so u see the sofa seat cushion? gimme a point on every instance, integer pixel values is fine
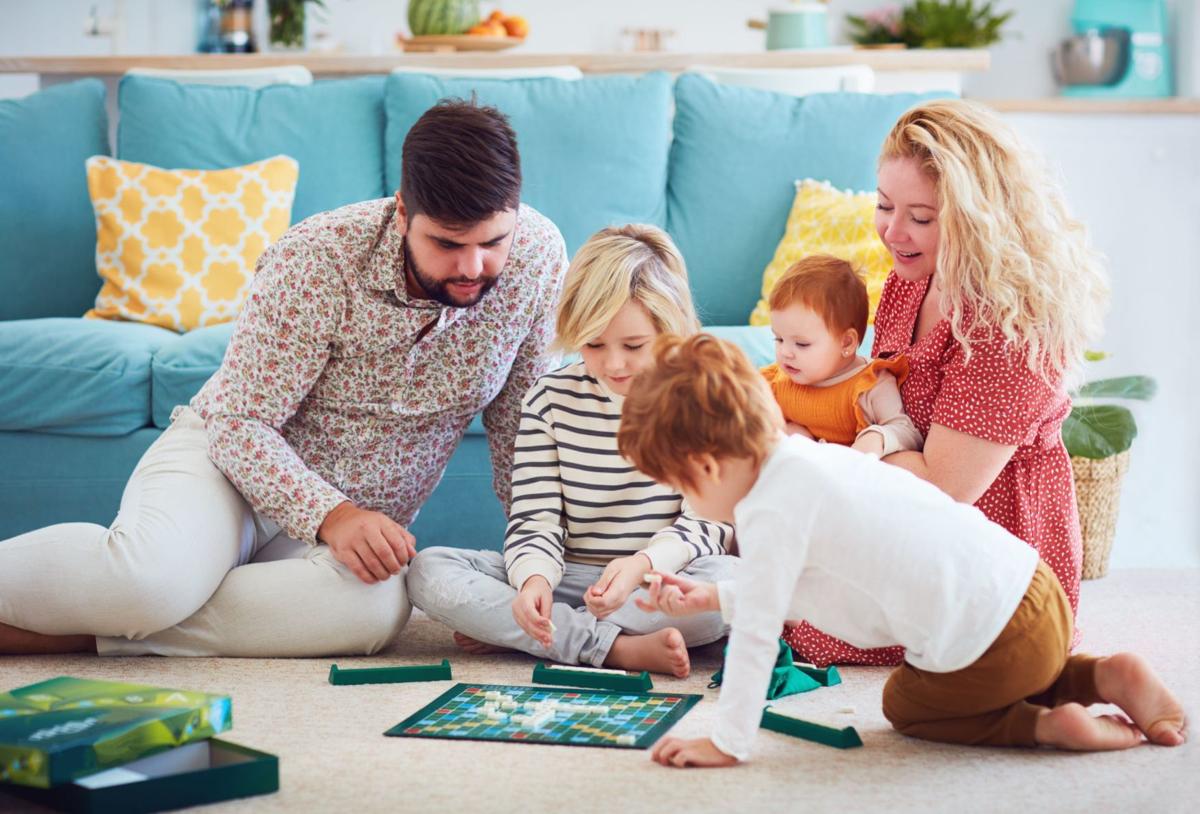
(593, 151)
(334, 130)
(735, 159)
(74, 376)
(182, 366)
(48, 265)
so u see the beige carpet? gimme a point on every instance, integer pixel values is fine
(334, 758)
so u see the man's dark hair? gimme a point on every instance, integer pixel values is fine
(460, 164)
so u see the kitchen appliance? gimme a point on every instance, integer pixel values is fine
(799, 25)
(1119, 51)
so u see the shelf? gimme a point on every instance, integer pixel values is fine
(1174, 105)
(958, 60)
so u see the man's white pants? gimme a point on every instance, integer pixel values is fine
(189, 569)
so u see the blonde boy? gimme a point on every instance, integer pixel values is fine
(874, 556)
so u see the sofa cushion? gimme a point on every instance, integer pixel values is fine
(178, 248)
(736, 156)
(76, 376)
(593, 151)
(182, 366)
(48, 264)
(333, 129)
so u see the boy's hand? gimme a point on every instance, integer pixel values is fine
(682, 753)
(532, 607)
(797, 429)
(621, 577)
(372, 545)
(676, 595)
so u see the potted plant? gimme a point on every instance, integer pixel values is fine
(287, 22)
(930, 24)
(1098, 434)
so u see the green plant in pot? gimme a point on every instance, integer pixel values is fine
(1098, 434)
(952, 24)
(287, 21)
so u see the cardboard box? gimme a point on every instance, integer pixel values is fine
(57, 730)
(195, 774)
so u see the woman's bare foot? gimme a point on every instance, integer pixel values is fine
(476, 647)
(1071, 726)
(1128, 680)
(17, 642)
(663, 651)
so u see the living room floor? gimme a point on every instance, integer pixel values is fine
(333, 756)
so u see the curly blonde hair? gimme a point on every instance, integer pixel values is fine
(1010, 257)
(618, 264)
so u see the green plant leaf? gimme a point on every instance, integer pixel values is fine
(1141, 388)
(1098, 430)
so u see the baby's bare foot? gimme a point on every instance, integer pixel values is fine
(1128, 680)
(663, 651)
(1071, 726)
(476, 647)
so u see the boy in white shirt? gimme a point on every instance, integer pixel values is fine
(874, 556)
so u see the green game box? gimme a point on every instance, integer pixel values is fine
(194, 774)
(57, 730)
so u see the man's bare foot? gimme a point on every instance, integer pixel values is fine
(663, 651)
(1071, 726)
(17, 642)
(476, 647)
(1128, 680)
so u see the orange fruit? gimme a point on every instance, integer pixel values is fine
(516, 26)
(497, 16)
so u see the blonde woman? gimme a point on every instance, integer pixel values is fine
(994, 295)
(585, 525)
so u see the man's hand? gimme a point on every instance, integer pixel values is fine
(682, 753)
(621, 577)
(372, 545)
(677, 595)
(532, 607)
(797, 429)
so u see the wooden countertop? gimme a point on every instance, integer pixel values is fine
(956, 60)
(1062, 104)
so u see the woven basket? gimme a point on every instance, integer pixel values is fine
(1098, 492)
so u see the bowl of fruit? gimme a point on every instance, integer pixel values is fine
(458, 25)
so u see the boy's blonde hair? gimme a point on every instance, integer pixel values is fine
(618, 264)
(830, 287)
(1010, 257)
(702, 396)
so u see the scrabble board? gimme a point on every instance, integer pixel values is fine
(499, 712)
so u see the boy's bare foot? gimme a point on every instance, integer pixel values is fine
(1071, 726)
(476, 647)
(1128, 680)
(663, 651)
(15, 641)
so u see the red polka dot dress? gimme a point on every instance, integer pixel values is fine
(994, 396)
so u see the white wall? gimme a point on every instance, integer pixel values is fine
(1135, 180)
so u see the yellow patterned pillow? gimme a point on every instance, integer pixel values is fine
(177, 248)
(825, 220)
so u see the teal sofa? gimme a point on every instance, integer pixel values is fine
(80, 400)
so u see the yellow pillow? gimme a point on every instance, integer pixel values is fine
(177, 248)
(825, 220)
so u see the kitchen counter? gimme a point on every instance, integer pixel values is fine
(1063, 104)
(947, 60)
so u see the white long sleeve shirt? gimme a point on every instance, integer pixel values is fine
(869, 553)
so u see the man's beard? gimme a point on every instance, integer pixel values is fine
(439, 290)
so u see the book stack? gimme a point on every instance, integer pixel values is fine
(94, 746)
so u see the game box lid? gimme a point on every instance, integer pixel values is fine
(194, 774)
(57, 730)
